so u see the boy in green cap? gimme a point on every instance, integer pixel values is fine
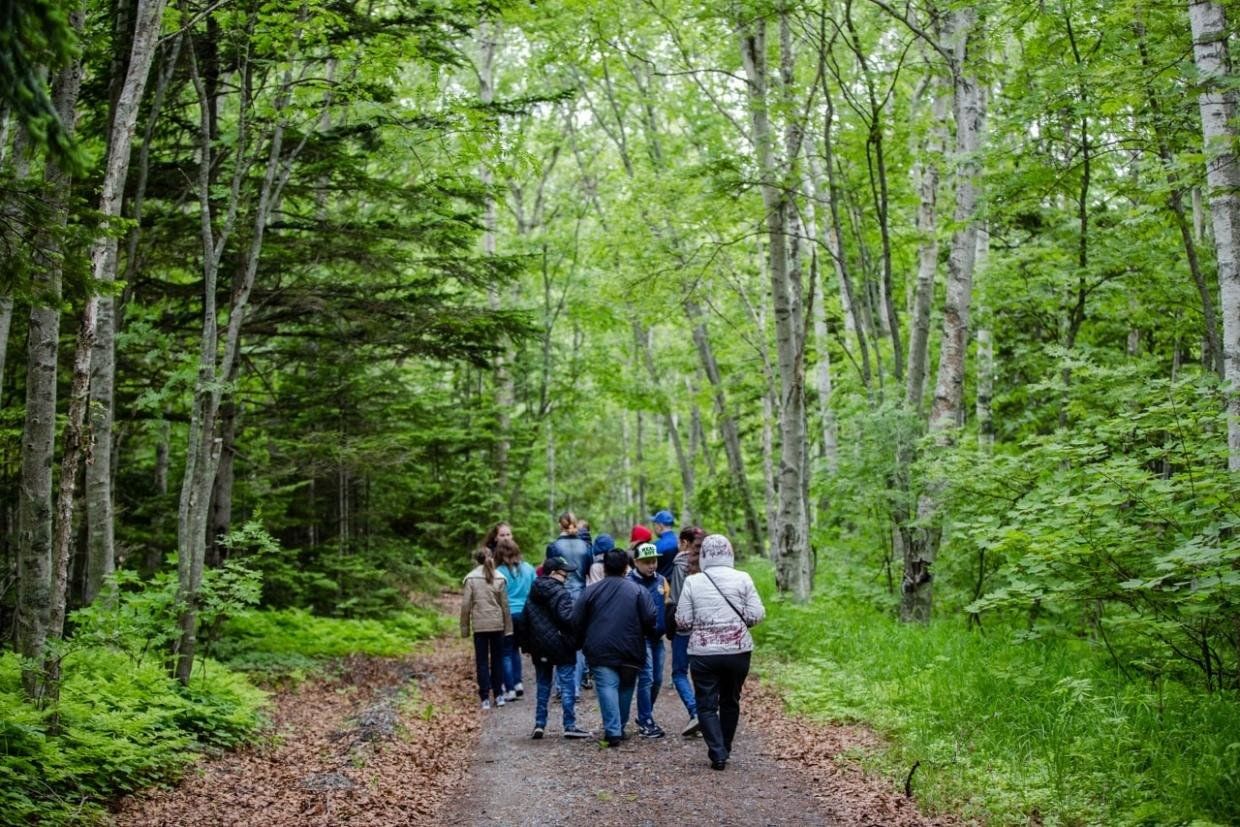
(645, 574)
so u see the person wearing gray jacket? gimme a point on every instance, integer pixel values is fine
(718, 606)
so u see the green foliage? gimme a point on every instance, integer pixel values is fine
(1004, 726)
(292, 639)
(124, 725)
(1123, 529)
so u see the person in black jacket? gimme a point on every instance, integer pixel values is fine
(614, 618)
(552, 645)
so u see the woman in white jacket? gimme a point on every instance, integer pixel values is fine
(717, 607)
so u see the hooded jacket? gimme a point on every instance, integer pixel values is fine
(614, 618)
(714, 627)
(484, 606)
(548, 620)
(577, 552)
(659, 590)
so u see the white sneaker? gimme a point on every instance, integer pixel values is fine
(486, 704)
(499, 700)
(519, 689)
(510, 695)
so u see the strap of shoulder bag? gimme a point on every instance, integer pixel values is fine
(725, 597)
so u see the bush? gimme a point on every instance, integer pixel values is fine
(124, 725)
(263, 640)
(1005, 726)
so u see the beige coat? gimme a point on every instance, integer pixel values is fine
(484, 606)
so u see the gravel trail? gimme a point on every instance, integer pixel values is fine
(515, 780)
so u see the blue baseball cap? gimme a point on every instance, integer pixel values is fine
(603, 544)
(664, 518)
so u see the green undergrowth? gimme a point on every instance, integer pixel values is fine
(125, 724)
(288, 644)
(1013, 732)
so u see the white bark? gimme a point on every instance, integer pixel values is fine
(927, 177)
(98, 340)
(945, 413)
(35, 515)
(794, 568)
(822, 370)
(985, 358)
(1219, 107)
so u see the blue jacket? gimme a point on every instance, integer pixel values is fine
(614, 618)
(577, 552)
(659, 589)
(668, 546)
(520, 578)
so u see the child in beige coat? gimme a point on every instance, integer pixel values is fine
(484, 607)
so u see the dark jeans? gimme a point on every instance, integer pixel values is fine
(489, 661)
(512, 658)
(717, 683)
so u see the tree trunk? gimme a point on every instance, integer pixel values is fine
(927, 175)
(100, 519)
(727, 426)
(793, 564)
(829, 444)
(641, 338)
(222, 489)
(6, 320)
(1219, 107)
(985, 359)
(921, 547)
(34, 511)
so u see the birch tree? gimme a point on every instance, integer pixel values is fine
(1219, 105)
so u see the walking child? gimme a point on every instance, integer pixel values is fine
(552, 645)
(484, 609)
(520, 578)
(645, 574)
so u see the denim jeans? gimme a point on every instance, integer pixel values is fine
(543, 673)
(680, 674)
(650, 681)
(718, 680)
(580, 669)
(489, 662)
(614, 688)
(512, 658)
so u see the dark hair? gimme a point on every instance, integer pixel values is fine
(507, 553)
(490, 539)
(690, 533)
(483, 558)
(615, 563)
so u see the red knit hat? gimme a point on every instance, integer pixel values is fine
(640, 534)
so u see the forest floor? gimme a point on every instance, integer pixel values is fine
(402, 742)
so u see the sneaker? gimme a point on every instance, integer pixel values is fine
(519, 690)
(691, 728)
(718, 765)
(538, 733)
(651, 730)
(577, 733)
(486, 704)
(510, 695)
(586, 683)
(499, 699)
(609, 741)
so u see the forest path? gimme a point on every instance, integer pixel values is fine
(402, 742)
(782, 772)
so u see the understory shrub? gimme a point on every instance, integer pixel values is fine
(1004, 726)
(124, 724)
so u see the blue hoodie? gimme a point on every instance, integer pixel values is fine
(658, 587)
(520, 578)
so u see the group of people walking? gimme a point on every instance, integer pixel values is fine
(597, 614)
